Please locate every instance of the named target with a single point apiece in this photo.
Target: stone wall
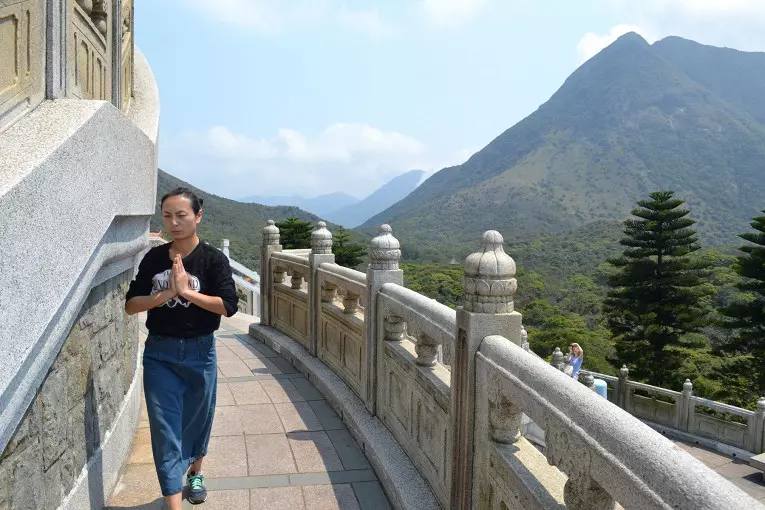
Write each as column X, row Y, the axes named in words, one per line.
column 78, row 402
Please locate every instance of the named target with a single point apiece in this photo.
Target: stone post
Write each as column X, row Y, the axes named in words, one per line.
column 269, row 247
column 524, row 339
column 683, row 407
column 621, row 387
column 488, row 310
column 321, row 252
column 588, row 380
column 384, row 255
column 557, row 359
column 225, row 248
column 758, row 436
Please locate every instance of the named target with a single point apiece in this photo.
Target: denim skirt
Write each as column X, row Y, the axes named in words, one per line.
column 180, row 379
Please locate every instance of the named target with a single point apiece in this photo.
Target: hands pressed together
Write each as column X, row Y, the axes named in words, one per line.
column 179, row 279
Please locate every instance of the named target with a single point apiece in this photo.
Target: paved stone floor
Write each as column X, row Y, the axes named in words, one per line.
column 739, row 472
column 276, row 444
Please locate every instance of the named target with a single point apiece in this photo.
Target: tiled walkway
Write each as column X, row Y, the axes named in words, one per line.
column 738, row 472
column 276, row 444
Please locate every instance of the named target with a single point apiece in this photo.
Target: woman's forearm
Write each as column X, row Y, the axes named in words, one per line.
column 212, row 304
column 138, row 304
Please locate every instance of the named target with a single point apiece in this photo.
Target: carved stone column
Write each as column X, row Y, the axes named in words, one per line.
column 384, row 255
column 269, row 247
column 321, row 252
column 488, row 310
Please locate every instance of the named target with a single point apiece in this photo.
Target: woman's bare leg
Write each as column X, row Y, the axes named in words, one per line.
column 174, row 502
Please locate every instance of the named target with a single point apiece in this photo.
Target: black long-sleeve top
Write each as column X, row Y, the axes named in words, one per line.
column 209, row 273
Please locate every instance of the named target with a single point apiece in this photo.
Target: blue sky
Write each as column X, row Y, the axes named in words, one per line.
column 306, row 97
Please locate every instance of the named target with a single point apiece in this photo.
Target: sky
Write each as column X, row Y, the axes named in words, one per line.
column 307, row 97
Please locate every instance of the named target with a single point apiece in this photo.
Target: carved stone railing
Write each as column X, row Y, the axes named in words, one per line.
column 414, row 387
column 341, row 339
column 460, row 425
column 247, row 284
column 607, row 455
column 684, row 413
column 290, row 298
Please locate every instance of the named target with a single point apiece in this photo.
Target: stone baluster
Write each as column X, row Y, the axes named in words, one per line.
column 225, row 246
column 350, row 303
column 683, row 407
column 504, row 417
column 558, row 359
column 488, row 310
column 621, row 387
column 321, row 252
column 296, row 280
column 328, row 293
column 524, row 339
column 427, row 350
column 395, row 329
column 581, row 491
column 99, row 16
column 267, row 249
column 758, row 435
column 384, row 256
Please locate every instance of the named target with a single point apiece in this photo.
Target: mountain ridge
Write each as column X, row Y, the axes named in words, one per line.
column 625, row 123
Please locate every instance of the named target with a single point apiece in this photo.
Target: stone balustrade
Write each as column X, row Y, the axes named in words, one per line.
column 721, row 426
column 247, row 283
column 455, row 389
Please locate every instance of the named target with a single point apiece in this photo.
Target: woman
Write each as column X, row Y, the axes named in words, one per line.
column 574, row 361
column 186, row 286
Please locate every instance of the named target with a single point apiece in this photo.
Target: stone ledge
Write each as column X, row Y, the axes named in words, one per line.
column 404, row 485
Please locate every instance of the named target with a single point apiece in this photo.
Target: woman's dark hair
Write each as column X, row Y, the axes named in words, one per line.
column 196, row 202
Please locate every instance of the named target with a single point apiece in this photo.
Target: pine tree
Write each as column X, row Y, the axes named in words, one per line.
column 655, row 307
column 347, row 254
column 747, row 317
column 295, row 234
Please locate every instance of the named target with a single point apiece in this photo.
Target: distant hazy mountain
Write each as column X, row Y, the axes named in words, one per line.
column 388, row 194
column 320, row 206
column 635, row 118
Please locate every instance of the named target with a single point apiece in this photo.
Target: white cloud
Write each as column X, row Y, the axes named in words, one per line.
column 591, row 44
column 354, row 158
column 446, row 13
column 263, row 16
column 368, row 22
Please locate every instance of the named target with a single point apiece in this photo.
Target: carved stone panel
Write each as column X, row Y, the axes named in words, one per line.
column 291, row 313
column 126, row 74
column 89, row 50
column 341, row 346
column 22, row 62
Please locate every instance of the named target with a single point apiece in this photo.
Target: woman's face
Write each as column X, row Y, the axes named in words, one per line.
column 179, row 218
column 576, row 350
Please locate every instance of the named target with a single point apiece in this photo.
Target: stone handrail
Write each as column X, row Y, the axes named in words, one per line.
column 746, row 439
column 250, row 289
column 460, row 426
column 425, row 319
column 607, row 455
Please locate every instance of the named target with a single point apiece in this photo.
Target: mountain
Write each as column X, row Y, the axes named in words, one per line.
column 222, row 218
column 385, row 196
column 321, row 205
column 633, row 119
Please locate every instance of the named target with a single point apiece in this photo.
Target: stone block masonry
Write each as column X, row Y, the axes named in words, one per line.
column 76, row 405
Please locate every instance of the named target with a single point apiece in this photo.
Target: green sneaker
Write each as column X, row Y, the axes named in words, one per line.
column 197, row 490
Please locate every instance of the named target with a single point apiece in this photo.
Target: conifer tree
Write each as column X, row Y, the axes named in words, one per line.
column 347, row 253
column 747, row 317
column 655, row 304
column 295, row 234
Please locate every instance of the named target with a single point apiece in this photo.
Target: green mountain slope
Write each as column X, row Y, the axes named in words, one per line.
column 239, row 222
column 627, row 122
